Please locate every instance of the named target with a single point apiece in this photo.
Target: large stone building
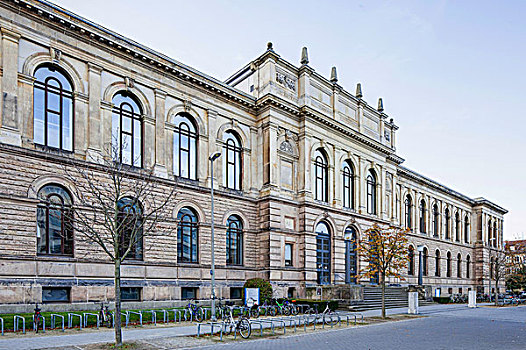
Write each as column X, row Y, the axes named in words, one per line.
column 306, row 167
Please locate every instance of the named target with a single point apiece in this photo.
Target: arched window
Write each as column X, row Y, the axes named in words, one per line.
column 466, row 230
column 323, row 253
column 348, row 185
column 411, row 261
column 436, row 219
column 127, row 129
column 457, row 227
column 422, row 216
column 234, row 241
column 459, row 265
column 185, row 147
column 130, row 228
column 53, row 108
column 408, row 212
column 187, row 236
column 321, row 178
column 232, row 173
column 448, row 266
column 468, row 266
column 448, row 226
column 54, row 221
column 424, row 261
column 437, row 263
column 351, row 256
column 495, row 234
column 371, row 192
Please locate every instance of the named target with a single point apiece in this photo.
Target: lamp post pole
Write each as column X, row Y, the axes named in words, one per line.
column 420, row 249
column 213, row 157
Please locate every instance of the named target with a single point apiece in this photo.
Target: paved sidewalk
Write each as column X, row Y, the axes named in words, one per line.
column 25, row 342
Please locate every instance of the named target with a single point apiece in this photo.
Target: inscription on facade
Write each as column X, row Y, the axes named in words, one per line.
column 286, row 81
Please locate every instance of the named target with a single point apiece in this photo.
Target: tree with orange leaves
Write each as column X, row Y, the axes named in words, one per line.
column 385, row 251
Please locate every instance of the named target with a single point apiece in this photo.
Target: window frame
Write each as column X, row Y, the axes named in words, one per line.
column 425, row 256
column 408, row 204
column 437, row 263
column 411, row 261
column 323, row 253
column 289, row 262
column 371, row 193
column 138, row 245
column 321, row 176
column 184, row 229
column 436, row 219
column 459, row 265
column 191, row 150
column 348, row 185
column 63, row 94
column 133, row 116
column 234, row 259
column 233, row 144
column 423, row 222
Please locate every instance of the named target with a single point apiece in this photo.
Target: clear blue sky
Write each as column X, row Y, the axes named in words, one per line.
column 451, row 73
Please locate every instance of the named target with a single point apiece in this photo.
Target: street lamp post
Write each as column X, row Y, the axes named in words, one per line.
column 420, row 249
column 213, row 157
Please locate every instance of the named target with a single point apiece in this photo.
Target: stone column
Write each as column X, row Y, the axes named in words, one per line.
column 160, row 133
column 338, row 177
column 94, row 112
column 362, row 186
column 9, row 120
column 304, row 166
column 255, row 184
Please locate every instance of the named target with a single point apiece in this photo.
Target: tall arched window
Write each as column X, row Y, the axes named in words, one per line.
column 448, row 221
column 466, row 230
column 130, row 228
column 422, row 216
column 437, row 263
column 411, row 261
column 459, row 265
column 351, row 256
column 436, row 219
column 371, row 192
column 495, row 234
column 187, row 236
column 185, row 147
column 234, row 241
column 323, row 253
column 127, row 129
column 53, row 108
column 424, row 261
column 457, row 227
column 321, row 178
column 232, row 150
column 54, row 221
column 448, row 266
column 408, row 212
column 348, row 185
column 468, row 266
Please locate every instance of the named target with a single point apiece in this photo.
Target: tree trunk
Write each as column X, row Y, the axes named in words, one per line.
column 383, row 295
column 496, row 292
column 117, row 316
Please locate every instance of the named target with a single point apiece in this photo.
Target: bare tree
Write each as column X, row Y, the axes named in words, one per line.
column 385, row 253
column 116, row 207
column 503, row 264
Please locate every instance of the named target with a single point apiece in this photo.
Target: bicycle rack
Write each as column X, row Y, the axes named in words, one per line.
column 2, row 323
column 154, row 316
column 43, row 324
column 71, row 317
column 53, row 319
column 211, row 324
column 17, row 318
column 260, row 321
column 126, row 318
column 87, row 315
column 139, row 313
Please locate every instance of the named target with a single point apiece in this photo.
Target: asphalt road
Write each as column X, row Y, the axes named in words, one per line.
column 460, row 328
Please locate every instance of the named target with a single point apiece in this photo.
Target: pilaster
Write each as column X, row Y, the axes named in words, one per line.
column 160, row 134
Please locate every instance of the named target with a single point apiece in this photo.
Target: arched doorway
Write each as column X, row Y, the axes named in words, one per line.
column 351, row 258
column 323, row 253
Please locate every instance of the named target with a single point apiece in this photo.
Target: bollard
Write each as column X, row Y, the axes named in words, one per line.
column 413, row 303
column 472, row 298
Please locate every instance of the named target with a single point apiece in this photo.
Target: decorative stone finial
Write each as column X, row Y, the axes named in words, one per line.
column 269, row 46
column 304, row 56
column 380, row 105
column 334, row 75
column 359, row 90
column 391, row 120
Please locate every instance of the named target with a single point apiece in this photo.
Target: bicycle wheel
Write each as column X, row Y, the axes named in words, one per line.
column 254, row 312
column 294, row 310
column 199, row 314
column 285, row 310
column 330, row 319
column 244, row 328
column 272, row 311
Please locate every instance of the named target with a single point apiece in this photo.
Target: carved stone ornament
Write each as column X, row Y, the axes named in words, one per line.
column 325, row 214
column 286, row 147
column 55, row 54
column 286, row 81
column 187, row 105
column 129, row 83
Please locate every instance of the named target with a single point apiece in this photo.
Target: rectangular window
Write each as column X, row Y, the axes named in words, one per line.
column 236, row 293
column 288, row 254
column 131, row 293
column 188, row 293
column 55, row 294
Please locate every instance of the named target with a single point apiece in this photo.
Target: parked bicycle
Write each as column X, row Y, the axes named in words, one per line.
column 242, row 325
column 196, row 312
column 37, row 319
column 253, row 308
column 268, row 308
column 328, row 316
column 105, row 316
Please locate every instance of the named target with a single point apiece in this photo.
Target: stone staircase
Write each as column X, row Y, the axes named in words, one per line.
column 372, row 295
